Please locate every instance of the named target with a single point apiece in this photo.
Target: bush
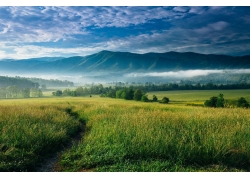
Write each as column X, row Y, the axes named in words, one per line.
column 211, row 102
column 220, row 101
column 155, row 99
column 165, row 100
column 242, row 102
column 144, row 98
column 215, row 101
column 138, row 95
column 57, row 93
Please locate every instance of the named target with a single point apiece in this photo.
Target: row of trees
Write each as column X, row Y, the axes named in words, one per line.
column 190, row 86
column 130, row 93
column 220, row 102
column 111, row 91
column 17, row 81
column 137, row 95
column 16, row 92
column 51, row 82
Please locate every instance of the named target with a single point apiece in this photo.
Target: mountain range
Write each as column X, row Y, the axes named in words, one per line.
column 126, row 62
column 111, row 65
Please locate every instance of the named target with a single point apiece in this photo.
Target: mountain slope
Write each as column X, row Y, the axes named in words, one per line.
column 107, row 61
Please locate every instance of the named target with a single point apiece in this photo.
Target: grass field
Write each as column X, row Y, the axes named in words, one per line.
column 200, row 95
column 31, row 130
column 125, row 135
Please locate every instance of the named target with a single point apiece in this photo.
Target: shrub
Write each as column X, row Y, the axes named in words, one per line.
column 165, row 100
column 57, row 93
column 215, row 101
column 144, row 98
column 211, row 102
column 220, row 101
column 242, row 102
column 138, row 95
column 155, row 99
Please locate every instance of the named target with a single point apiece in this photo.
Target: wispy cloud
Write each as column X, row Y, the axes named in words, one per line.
column 84, row 30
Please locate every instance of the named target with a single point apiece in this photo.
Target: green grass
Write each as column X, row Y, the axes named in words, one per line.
column 31, row 132
column 125, row 135
column 199, row 95
column 139, row 136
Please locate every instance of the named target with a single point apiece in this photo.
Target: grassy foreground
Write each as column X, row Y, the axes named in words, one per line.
column 123, row 135
column 31, row 131
column 134, row 136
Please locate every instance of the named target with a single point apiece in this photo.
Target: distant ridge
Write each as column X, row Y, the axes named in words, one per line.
column 108, row 61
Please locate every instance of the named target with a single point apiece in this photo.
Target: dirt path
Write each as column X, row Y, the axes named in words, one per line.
column 51, row 164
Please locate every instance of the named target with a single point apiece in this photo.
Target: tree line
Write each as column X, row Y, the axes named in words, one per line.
column 198, row 86
column 220, row 102
column 16, row 92
column 127, row 93
column 111, row 91
column 17, row 81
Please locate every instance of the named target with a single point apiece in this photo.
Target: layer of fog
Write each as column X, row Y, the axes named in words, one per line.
column 107, row 77
column 187, row 73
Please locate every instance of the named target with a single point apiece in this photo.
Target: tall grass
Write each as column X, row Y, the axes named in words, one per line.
column 29, row 133
column 130, row 134
column 123, row 136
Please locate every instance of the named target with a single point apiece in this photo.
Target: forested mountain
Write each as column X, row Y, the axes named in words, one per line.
column 126, row 62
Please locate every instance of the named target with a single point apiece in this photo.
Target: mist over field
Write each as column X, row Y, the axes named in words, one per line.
column 188, row 73
column 139, row 77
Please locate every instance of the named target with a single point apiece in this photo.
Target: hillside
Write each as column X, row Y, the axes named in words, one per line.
column 107, row 61
column 23, row 82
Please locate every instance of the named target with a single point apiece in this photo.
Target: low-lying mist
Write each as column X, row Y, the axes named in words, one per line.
column 139, row 77
column 187, row 73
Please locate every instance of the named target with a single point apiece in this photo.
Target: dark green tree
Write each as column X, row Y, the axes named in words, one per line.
column 165, row 100
column 57, row 93
column 242, row 102
column 155, row 99
column 211, row 102
column 144, row 98
column 138, row 94
column 119, row 93
column 220, row 101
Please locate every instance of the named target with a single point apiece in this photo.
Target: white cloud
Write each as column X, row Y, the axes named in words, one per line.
column 181, row 9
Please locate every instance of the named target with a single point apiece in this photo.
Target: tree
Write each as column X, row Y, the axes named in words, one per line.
column 220, row 101
column 215, row 101
column 79, row 91
column 2, row 93
column 242, row 102
column 130, row 94
column 137, row 95
column 12, row 91
column 155, row 99
column 124, row 95
column 57, row 93
column 165, row 100
column 144, row 98
column 66, row 92
column 25, row 92
column 40, row 93
column 119, row 93
column 211, row 102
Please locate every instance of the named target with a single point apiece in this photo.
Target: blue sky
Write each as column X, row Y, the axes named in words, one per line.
column 32, row 31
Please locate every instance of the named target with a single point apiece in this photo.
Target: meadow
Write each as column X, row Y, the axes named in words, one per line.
column 126, row 136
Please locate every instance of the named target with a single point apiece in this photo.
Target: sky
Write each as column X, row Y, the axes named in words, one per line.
column 39, row 31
